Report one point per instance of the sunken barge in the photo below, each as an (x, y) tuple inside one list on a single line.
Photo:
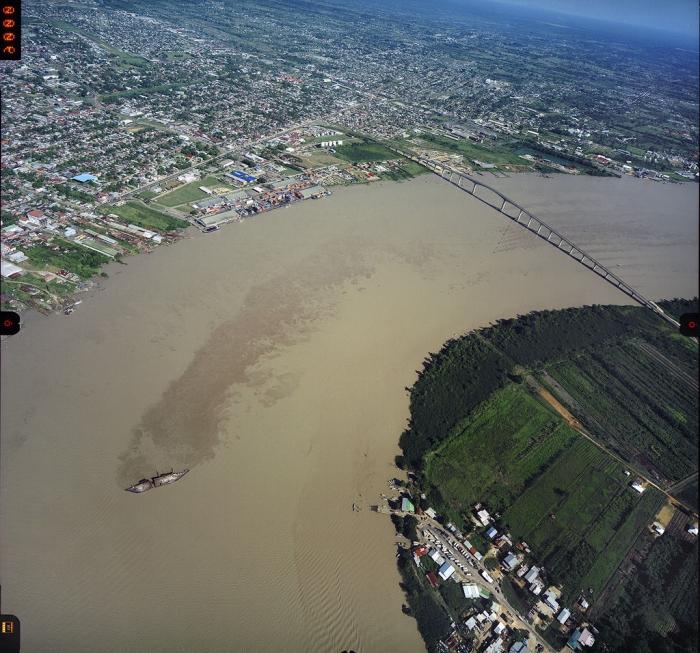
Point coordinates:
[(146, 484)]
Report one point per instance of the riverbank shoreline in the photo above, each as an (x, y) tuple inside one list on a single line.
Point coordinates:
[(265, 359)]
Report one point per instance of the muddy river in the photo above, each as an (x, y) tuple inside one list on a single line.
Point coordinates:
[(271, 358)]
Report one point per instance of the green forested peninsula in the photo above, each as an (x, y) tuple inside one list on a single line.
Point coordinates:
[(499, 416), (468, 369)]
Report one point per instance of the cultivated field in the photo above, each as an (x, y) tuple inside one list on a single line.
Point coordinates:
[(570, 501), (638, 400)]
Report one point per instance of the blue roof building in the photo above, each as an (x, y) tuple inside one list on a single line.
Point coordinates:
[(83, 177), (241, 176)]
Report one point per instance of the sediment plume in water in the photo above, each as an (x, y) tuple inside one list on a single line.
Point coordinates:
[(271, 358)]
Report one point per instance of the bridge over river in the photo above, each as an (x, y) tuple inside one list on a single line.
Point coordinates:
[(512, 210)]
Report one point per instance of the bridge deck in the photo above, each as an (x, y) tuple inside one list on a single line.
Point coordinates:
[(539, 227)]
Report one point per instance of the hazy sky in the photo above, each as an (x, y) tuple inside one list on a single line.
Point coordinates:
[(671, 15)]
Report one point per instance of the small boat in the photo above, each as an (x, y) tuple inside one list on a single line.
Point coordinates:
[(159, 479)]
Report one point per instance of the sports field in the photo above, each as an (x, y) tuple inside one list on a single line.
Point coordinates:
[(188, 192)]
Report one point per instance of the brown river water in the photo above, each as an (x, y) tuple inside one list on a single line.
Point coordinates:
[(271, 358)]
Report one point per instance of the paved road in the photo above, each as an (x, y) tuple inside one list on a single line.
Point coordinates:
[(436, 537)]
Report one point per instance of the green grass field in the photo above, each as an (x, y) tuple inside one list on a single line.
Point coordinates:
[(407, 170), (188, 193), (580, 517), (609, 557), (413, 168), (518, 598), (364, 152), (316, 158), (559, 491), (147, 195), (182, 195), (139, 214), (496, 452)]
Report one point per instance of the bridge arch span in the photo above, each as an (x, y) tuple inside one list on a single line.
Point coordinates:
[(535, 225)]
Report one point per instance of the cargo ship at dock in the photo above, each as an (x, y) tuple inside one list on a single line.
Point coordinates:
[(146, 484)]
